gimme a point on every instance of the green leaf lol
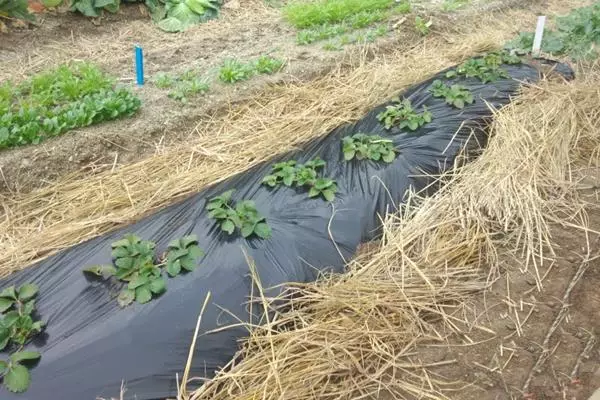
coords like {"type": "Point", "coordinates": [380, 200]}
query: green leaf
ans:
{"type": "Point", "coordinates": [16, 378]}
{"type": "Point", "coordinates": [171, 24]}
{"type": "Point", "coordinates": [10, 318]}
{"type": "Point", "coordinates": [451, 74]}
{"type": "Point", "coordinates": [195, 252]}
{"type": "Point", "coordinates": [228, 226]}
{"type": "Point", "coordinates": [349, 155]}
{"type": "Point", "coordinates": [24, 356]}
{"type": "Point", "coordinates": [119, 252]}
{"type": "Point", "coordinates": [28, 307]}
{"type": "Point", "coordinates": [143, 294]}
{"type": "Point", "coordinates": [329, 195]}
{"type": "Point", "coordinates": [5, 304]}
{"type": "Point", "coordinates": [458, 103]}
{"type": "Point", "coordinates": [28, 291]}
{"type": "Point", "coordinates": [126, 297]}
{"type": "Point", "coordinates": [3, 366]}
{"type": "Point", "coordinates": [188, 263]}
{"type": "Point", "coordinates": [37, 326]}
{"type": "Point", "coordinates": [4, 337]}
{"type": "Point", "coordinates": [288, 180]}
{"type": "Point", "coordinates": [247, 230]}
{"type": "Point", "coordinates": [124, 242]}
{"type": "Point", "coordinates": [188, 240]}
{"type": "Point", "coordinates": [174, 268]}
{"type": "Point", "coordinates": [137, 282]}
{"type": "Point", "coordinates": [125, 263]}
{"type": "Point", "coordinates": [313, 192]}
{"type": "Point", "coordinates": [158, 286]}
{"type": "Point", "coordinates": [195, 6]}
{"type": "Point", "coordinates": [262, 230]}
{"type": "Point", "coordinates": [9, 292]}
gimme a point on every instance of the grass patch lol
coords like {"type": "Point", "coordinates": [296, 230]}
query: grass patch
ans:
{"type": "Point", "coordinates": [577, 35]}
{"type": "Point", "coordinates": [368, 36]}
{"type": "Point", "coordinates": [51, 103]}
{"type": "Point", "coordinates": [234, 70]}
{"type": "Point", "coordinates": [356, 21]}
{"type": "Point", "coordinates": [319, 12]}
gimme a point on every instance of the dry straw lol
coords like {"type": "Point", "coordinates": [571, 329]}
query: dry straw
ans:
{"type": "Point", "coordinates": [37, 224]}
{"type": "Point", "coordinates": [354, 336]}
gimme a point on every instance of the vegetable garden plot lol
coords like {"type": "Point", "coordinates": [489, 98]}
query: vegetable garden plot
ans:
{"type": "Point", "coordinates": [90, 346]}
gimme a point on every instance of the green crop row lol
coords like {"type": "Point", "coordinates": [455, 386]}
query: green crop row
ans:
{"type": "Point", "coordinates": [51, 103]}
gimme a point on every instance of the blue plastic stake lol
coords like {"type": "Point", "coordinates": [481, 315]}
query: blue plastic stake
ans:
{"type": "Point", "coordinates": [139, 65]}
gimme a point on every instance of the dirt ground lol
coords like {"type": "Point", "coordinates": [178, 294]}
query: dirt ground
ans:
{"type": "Point", "coordinates": [530, 342]}
{"type": "Point", "coordinates": [246, 30]}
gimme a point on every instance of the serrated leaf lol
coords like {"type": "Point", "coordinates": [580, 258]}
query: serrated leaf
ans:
{"type": "Point", "coordinates": [10, 318]}
{"type": "Point", "coordinates": [5, 304]}
{"type": "Point", "coordinates": [195, 252]}
{"type": "Point", "coordinates": [126, 297]}
{"type": "Point", "coordinates": [16, 378]}
{"type": "Point", "coordinates": [329, 195]}
{"type": "Point", "coordinates": [28, 291]}
{"type": "Point", "coordinates": [121, 243]}
{"type": "Point", "coordinates": [188, 263]}
{"type": "Point", "coordinates": [4, 338]}
{"type": "Point", "coordinates": [349, 155]}
{"type": "Point", "coordinates": [143, 294]}
{"type": "Point", "coordinates": [458, 103]}
{"type": "Point", "coordinates": [262, 230]}
{"type": "Point", "coordinates": [228, 226]}
{"type": "Point", "coordinates": [158, 286]}
{"type": "Point", "coordinates": [174, 268]}
{"type": "Point", "coordinates": [247, 230]}
{"type": "Point", "coordinates": [28, 307]}
{"type": "Point", "coordinates": [38, 326]}
{"type": "Point", "coordinates": [125, 263]}
{"type": "Point", "coordinates": [9, 292]}
{"type": "Point", "coordinates": [24, 356]}
{"type": "Point", "coordinates": [137, 282]}
{"type": "Point", "coordinates": [188, 240]}
{"type": "Point", "coordinates": [313, 192]}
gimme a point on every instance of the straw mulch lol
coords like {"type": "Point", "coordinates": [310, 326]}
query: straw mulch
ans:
{"type": "Point", "coordinates": [35, 225]}
{"type": "Point", "coordinates": [354, 336]}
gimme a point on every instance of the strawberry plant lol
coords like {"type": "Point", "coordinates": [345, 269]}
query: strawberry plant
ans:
{"type": "Point", "coordinates": [323, 187]}
{"type": "Point", "coordinates": [455, 95]}
{"type": "Point", "coordinates": [371, 147]}
{"type": "Point", "coordinates": [182, 254]}
{"type": "Point", "coordinates": [242, 216]}
{"type": "Point", "coordinates": [134, 263]}
{"type": "Point", "coordinates": [404, 116]}
{"type": "Point", "coordinates": [17, 328]}
{"type": "Point", "coordinates": [486, 68]}
{"type": "Point", "coordinates": [289, 173]}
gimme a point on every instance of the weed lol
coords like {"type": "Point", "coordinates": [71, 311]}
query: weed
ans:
{"type": "Point", "coordinates": [319, 12]}
{"type": "Point", "coordinates": [332, 46]}
{"type": "Point", "coordinates": [371, 147]}
{"type": "Point", "coordinates": [242, 216]}
{"type": "Point", "coordinates": [455, 95]}
{"type": "Point", "coordinates": [233, 71]}
{"type": "Point", "coordinates": [134, 262]}
{"type": "Point", "coordinates": [268, 65]}
{"type": "Point", "coordinates": [17, 328]}
{"type": "Point", "coordinates": [404, 116]}
{"type": "Point", "coordinates": [421, 26]}
{"type": "Point", "coordinates": [187, 88]}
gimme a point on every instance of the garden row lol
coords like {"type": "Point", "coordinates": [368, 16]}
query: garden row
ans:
{"type": "Point", "coordinates": [79, 95]}
{"type": "Point", "coordinates": [141, 272]}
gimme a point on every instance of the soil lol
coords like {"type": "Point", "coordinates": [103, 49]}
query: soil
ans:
{"type": "Point", "coordinates": [539, 343]}
{"type": "Point", "coordinates": [243, 32]}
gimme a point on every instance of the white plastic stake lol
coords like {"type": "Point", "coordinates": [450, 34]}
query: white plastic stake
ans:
{"type": "Point", "coordinates": [539, 33]}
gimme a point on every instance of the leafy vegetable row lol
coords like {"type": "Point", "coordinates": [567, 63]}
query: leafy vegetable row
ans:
{"type": "Point", "coordinates": [54, 102]}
